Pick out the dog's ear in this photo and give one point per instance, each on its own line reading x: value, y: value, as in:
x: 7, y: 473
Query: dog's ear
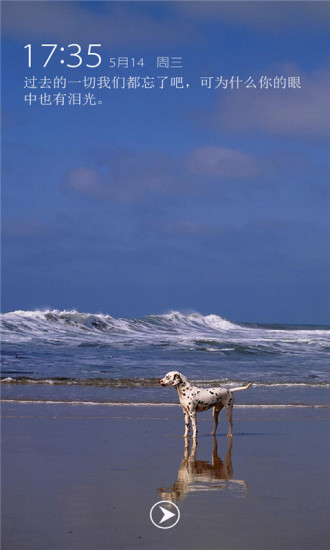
x: 176, y: 379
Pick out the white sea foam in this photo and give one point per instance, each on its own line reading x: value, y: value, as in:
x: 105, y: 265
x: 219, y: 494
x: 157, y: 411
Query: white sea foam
x: 210, y: 332
x: 94, y: 349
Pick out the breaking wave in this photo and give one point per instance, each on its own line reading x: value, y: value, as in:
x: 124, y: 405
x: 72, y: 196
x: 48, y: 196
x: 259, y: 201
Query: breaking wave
x: 197, y: 332
x: 54, y: 351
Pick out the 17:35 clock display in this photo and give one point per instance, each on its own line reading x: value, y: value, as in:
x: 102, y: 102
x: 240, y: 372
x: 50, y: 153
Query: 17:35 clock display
x: 77, y: 56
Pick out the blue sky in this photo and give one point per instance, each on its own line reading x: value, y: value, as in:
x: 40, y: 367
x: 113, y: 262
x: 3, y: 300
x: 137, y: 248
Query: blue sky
x: 194, y: 199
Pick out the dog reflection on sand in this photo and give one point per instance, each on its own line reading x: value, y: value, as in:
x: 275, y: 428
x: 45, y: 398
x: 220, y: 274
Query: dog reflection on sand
x: 201, y: 475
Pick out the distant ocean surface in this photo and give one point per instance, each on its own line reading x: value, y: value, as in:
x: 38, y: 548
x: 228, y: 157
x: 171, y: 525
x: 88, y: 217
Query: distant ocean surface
x: 82, y: 357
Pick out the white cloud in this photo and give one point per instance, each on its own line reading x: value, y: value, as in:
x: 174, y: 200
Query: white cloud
x: 260, y: 15
x: 86, y: 181
x: 22, y: 226
x: 112, y: 23
x: 124, y: 176
x: 223, y: 162
x: 301, y: 112
x: 127, y: 176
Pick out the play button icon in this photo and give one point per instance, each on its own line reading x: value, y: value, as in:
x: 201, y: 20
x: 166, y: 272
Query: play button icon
x: 167, y: 514
x: 164, y: 512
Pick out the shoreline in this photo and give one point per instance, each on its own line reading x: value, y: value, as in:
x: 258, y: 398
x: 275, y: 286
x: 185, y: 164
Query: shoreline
x: 158, y: 404
x: 80, y: 476
x: 156, y: 395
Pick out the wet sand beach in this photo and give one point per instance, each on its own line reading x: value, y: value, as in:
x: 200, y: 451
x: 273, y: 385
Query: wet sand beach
x: 84, y: 477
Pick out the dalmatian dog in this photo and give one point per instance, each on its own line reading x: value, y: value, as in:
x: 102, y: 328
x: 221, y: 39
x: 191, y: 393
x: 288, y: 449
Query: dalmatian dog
x: 194, y: 400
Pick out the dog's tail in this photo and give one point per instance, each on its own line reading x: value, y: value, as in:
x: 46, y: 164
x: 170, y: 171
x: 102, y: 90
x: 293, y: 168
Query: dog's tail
x: 241, y: 387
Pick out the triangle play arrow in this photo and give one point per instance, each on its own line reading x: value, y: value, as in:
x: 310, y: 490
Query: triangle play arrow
x: 167, y: 514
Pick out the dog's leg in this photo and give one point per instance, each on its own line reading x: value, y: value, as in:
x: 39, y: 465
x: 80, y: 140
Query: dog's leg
x: 186, y: 423
x: 194, y: 423
x: 229, y: 409
x: 216, y: 410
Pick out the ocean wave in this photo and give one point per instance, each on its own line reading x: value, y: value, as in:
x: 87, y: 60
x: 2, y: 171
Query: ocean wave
x: 208, y: 333
x: 39, y: 321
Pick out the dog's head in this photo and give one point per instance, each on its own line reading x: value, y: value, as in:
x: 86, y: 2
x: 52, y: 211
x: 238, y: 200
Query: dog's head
x: 172, y: 378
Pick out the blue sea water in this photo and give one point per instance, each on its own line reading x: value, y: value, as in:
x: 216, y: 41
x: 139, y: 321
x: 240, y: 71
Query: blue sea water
x: 70, y: 356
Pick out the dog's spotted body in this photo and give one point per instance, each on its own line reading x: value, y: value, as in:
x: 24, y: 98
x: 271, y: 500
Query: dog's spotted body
x: 194, y: 399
